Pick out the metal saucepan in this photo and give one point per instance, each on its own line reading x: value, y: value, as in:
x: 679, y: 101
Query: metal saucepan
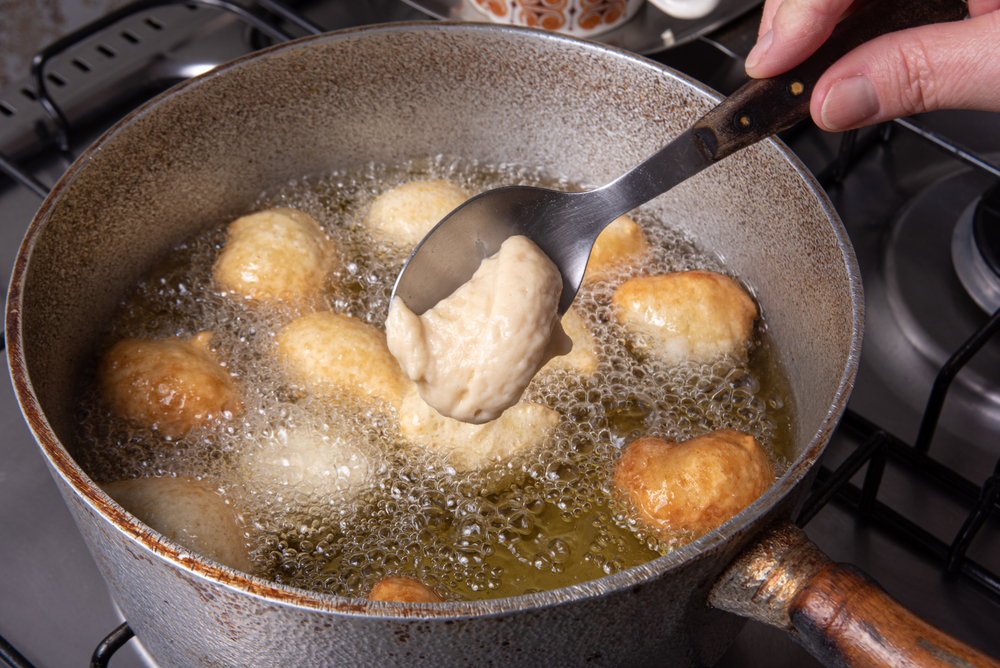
x: 203, y: 151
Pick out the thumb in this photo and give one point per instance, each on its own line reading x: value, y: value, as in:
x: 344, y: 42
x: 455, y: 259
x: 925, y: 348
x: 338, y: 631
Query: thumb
x: 942, y: 66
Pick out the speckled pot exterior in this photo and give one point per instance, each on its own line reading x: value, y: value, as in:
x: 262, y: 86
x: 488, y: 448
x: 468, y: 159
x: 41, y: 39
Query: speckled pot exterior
x: 206, y: 149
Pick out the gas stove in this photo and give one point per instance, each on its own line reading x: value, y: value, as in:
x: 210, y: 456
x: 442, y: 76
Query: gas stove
x: 909, y: 485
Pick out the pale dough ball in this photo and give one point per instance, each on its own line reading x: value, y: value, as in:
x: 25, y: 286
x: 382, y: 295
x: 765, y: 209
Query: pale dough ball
x: 170, y: 385
x: 694, y: 486
x: 332, y: 467
x: 582, y: 359
x: 404, y: 215
x: 189, y: 512
x: 403, y: 590
x: 475, y: 446
x: 475, y: 352
x: 621, y: 243
x: 691, y: 315
x: 275, y: 254
x: 328, y: 350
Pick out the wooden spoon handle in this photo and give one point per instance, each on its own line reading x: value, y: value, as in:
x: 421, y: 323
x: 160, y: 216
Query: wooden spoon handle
x: 764, y: 107
x: 837, y: 613
x: 845, y: 619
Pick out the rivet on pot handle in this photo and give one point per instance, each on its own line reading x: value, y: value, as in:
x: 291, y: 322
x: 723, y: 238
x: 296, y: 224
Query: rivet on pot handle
x: 766, y: 106
x: 833, y: 610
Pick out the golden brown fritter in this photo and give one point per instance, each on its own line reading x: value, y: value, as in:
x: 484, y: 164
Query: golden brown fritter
x: 404, y: 215
x: 276, y: 254
x: 305, y: 462
x: 403, y: 590
x: 170, y: 385
x: 691, y: 315
x: 694, y: 486
x: 189, y: 512
x: 621, y: 243
x: 332, y: 351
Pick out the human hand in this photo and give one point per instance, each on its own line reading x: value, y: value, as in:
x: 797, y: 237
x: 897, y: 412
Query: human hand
x: 941, y: 66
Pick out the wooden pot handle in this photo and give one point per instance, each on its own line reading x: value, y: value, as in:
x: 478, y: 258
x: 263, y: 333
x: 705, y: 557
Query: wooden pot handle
x: 833, y: 610
x: 844, y: 618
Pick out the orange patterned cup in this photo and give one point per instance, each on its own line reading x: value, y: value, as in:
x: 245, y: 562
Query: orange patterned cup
x: 582, y: 18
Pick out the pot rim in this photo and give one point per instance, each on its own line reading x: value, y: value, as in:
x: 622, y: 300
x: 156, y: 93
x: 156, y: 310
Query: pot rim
x: 63, y: 464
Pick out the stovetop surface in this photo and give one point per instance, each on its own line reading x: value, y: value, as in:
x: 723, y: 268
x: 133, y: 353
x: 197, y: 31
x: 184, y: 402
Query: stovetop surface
x: 56, y: 609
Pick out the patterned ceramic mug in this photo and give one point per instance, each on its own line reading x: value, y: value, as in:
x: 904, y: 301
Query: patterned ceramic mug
x: 581, y: 18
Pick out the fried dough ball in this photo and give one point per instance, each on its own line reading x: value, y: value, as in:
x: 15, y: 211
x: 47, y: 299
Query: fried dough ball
x: 694, y: 486
x: 403, y: 590
x: 170, y: 385
x: 189, y: 512
x: 691, y: 315
x: 582, y: 358
x: 475, y: 446
x: 404, y: 215
x: 328, y: 350
x: 276, y: 254
x: 621, y: 243
x: 305, y: 461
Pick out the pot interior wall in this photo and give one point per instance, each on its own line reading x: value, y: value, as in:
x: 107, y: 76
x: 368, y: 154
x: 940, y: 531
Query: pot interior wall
x: 204, y: 153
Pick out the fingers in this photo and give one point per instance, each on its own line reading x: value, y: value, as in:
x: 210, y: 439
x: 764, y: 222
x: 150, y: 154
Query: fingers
x: 770, y: 8
x: 953, y: 65
x: 791, y: 30
x: 942, y: 66
x: 794, y: 30
x: 980, y: 7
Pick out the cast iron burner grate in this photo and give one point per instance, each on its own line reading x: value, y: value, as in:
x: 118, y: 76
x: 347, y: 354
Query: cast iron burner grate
x: 876, y: 447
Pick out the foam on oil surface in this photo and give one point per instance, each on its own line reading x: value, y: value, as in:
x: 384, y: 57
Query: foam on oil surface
x: 545, y: 519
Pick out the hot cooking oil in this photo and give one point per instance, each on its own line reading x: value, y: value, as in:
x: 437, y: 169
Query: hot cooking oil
x: 547, y: 518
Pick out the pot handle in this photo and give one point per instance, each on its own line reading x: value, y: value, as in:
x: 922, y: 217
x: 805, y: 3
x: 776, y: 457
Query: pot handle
x: 835, y: 611
x: 764, y: 107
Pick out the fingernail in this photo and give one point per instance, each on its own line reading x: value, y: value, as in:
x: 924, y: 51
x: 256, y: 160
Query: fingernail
x: 758, y: 52
x: 849, y: 102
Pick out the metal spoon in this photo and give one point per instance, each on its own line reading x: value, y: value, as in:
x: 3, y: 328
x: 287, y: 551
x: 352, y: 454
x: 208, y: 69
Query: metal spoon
x: 566, y: 225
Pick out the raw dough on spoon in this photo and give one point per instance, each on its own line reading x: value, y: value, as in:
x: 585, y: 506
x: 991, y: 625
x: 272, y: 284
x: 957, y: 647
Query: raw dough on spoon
x: 473, y: 354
